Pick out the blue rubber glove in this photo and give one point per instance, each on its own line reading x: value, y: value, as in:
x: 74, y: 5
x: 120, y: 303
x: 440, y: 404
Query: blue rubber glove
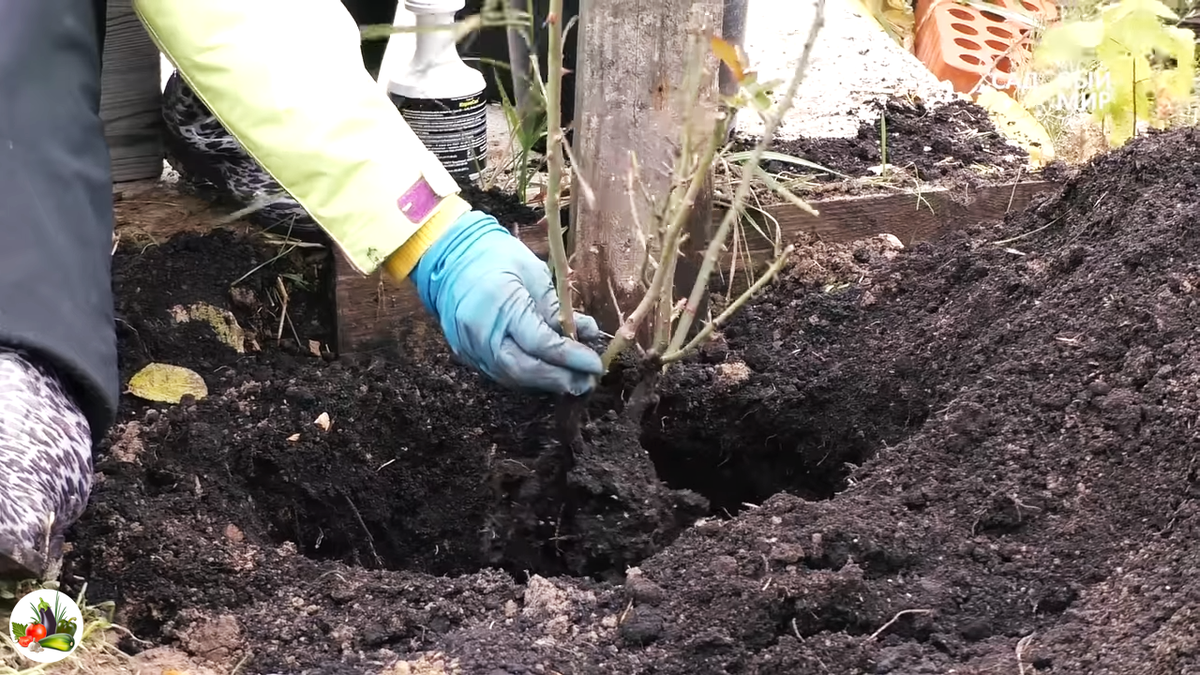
x: 496, y: 303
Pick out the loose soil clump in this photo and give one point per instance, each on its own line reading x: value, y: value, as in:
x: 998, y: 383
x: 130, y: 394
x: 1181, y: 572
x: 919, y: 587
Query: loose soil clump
x: 977, y: 454
x: 940, y: 144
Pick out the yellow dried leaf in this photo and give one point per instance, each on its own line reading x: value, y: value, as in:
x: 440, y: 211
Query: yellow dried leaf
x: 165, y: 383
x: 732, y: 56
x: 294, y: 437
x: 323, y: 421
x: 1016, y: 123
x: 222, y: 321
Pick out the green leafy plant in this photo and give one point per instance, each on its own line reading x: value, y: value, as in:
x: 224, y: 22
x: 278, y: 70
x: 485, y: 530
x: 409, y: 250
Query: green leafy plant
x: 1131, y: 59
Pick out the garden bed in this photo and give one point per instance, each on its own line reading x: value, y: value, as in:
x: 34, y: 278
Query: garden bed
x: 929, y: 145
x: 964, y: 456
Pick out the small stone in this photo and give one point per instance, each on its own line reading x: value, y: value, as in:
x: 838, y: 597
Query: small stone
x: 786, y: 554
x: 641, y: 626
x: 234, y: 533
x: 724, y: 565
x: 1099, y: 388
x: 643, y: 591
x: 976, y: 630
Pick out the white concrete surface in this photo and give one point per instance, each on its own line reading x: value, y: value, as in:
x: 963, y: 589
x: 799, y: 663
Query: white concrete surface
x: 852, y: 62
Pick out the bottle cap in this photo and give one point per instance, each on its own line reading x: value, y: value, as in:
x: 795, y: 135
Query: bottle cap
x: 434, y: 6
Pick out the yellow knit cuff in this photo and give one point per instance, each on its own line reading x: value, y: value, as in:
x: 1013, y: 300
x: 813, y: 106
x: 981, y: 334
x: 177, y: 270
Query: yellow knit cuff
x: 405, y: 259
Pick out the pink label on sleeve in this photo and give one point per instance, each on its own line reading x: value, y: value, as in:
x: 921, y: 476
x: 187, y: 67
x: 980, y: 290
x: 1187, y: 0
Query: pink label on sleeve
x: 418, y: 202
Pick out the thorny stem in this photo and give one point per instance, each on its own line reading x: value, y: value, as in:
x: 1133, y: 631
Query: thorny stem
x: 669, y: 250
x: 554, y: 166
x: 732, y: 309
x: 675, y: 202
x: 713, y: 254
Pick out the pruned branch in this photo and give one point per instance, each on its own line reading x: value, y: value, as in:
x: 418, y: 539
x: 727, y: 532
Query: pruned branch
x: 554, y: 164
x: 743, y: 190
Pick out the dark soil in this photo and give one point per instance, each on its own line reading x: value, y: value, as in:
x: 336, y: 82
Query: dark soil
x: 954, y: 142
x: 962, y: 457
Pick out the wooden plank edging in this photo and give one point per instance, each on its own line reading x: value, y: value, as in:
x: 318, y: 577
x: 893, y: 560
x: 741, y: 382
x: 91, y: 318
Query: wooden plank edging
x: 373, y: 315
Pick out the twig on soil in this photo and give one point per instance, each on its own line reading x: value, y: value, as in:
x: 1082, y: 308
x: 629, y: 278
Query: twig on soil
x: 241, y: 664
x: 362, y: 523
x: 284, y: 317
x: 283, y: 300
x: 896, y: 618
x: 1022, y: 645
x: 1030, y: 233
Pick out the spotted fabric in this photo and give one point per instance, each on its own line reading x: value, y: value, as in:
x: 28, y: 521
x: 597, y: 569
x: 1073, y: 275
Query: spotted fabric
x: 46, y: 460
x: 212, y: 161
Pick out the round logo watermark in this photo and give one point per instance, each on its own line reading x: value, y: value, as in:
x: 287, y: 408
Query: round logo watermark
x: 46, y: 626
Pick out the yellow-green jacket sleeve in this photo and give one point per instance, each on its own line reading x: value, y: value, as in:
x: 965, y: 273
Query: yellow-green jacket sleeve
x: 286, y: 78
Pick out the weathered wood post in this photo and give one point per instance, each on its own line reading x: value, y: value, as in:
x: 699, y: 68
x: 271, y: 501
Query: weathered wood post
x: 131, y: 96
x: 631, y: 58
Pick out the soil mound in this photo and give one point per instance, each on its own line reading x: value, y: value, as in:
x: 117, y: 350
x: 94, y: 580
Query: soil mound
x: 977, y: 455
x: 939, y: 143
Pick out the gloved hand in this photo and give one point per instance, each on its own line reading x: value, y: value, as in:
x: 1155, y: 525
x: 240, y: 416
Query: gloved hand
x: 498, y: 309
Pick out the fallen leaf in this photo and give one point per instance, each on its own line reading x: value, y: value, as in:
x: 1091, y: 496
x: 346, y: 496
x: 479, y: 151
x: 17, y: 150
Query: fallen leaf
x: 314, y: 347
x: 222, y: 321
x: 323, y: 421
x: 165, y: 383
x: 733, y: 56
x: 294, y: 437
x: 1016, y: 123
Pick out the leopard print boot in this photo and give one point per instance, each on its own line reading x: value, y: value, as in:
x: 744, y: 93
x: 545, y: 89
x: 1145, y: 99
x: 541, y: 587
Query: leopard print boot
x: 211, y: 160
x: 46, y: 462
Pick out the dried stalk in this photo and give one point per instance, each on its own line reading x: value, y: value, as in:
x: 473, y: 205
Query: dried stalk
x: 732, y: 309
x: 554, y: 165
x: 670, y: 250
x: 713, y: 254
x: 689, y: 102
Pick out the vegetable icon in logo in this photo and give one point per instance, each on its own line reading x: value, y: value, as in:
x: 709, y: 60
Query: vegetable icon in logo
x: 45, y: 626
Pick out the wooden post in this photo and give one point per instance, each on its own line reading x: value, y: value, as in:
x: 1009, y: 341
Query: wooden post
x: 131, y: 96
x: 632, y: 56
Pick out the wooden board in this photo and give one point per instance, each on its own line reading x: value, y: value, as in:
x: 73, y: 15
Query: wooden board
x: 376, y: 316
x: 910, y: 216
x: 131, y: 96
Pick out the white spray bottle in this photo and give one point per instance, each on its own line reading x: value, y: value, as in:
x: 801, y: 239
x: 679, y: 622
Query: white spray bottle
x: 440, y: 96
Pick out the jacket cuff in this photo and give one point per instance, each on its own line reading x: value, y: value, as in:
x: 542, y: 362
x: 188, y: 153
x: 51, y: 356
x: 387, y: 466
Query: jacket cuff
x: 404, y: 260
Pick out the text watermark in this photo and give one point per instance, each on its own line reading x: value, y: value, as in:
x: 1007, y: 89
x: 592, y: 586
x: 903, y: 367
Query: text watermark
x: 1078, y: 91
